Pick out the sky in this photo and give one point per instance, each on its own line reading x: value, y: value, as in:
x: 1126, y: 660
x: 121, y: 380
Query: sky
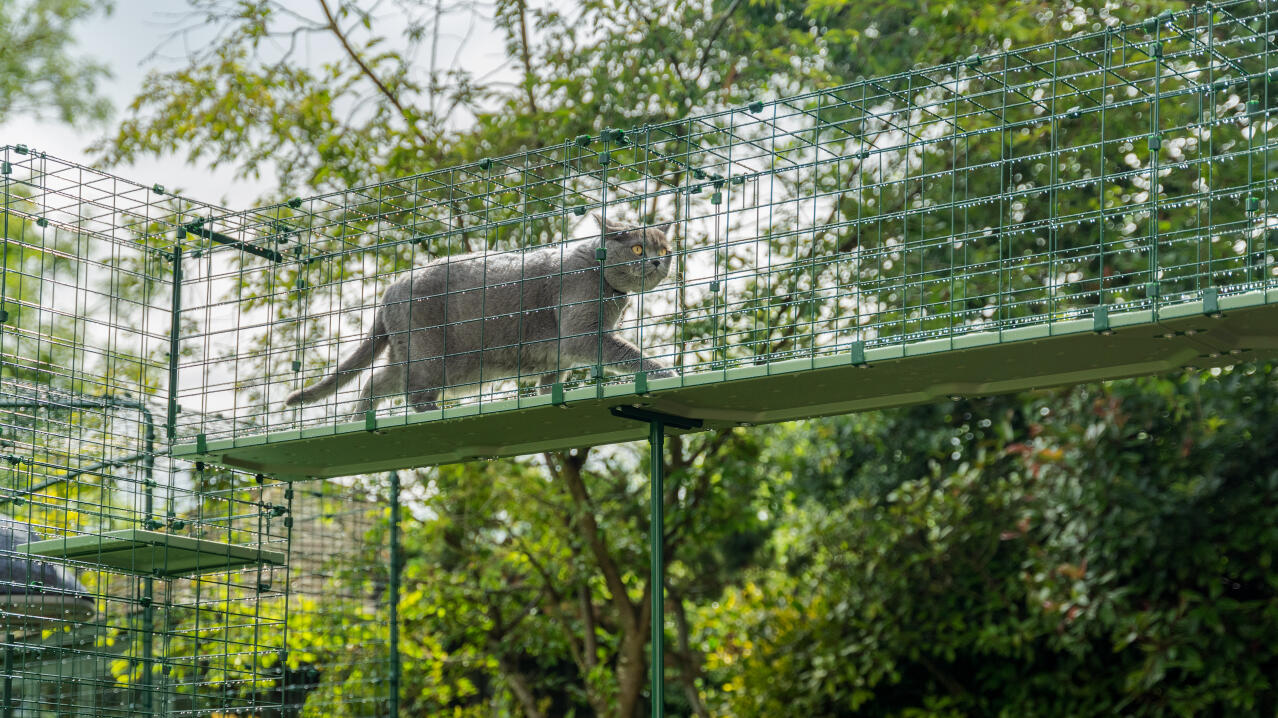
x: 127, y: 41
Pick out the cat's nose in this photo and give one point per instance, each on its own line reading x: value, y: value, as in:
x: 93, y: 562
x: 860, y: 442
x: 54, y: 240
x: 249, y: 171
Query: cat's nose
x: 656, y: 262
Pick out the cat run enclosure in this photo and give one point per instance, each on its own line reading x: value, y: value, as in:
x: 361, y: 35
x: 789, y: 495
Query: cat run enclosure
x: 1093, y: 208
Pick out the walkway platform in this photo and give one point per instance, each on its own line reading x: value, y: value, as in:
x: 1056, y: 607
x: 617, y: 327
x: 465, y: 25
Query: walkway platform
x: 1208, y: 331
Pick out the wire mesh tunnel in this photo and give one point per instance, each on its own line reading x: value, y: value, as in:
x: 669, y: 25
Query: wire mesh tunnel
x: 1092, y: 208
x: 1119, y: 178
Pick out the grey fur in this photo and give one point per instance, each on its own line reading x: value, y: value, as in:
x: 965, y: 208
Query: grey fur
x: 543, y: 314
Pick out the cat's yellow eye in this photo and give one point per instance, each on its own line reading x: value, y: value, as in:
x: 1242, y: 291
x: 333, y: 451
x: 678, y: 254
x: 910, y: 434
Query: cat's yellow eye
x: 665, y: 251
x: 637, y: 250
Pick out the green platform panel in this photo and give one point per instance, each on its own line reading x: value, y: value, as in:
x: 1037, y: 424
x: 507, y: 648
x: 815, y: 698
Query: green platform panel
x: 151, y: 553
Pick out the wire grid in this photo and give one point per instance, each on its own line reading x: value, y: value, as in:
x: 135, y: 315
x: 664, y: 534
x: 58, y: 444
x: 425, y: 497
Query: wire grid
x: 339, y: 638
x: 114, y: 636
x: 85, y: 423
x: 1128, y: 168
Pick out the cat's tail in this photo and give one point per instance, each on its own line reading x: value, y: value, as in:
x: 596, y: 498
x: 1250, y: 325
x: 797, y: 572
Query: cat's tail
x: 346, y: 369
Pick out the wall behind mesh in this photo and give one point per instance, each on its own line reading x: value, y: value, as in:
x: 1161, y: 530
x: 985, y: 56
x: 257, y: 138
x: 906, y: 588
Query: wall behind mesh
x: 340, y: 661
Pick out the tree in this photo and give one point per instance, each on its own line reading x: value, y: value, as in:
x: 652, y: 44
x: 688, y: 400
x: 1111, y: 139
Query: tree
x: 1089, y: 551
x: 38, y: 73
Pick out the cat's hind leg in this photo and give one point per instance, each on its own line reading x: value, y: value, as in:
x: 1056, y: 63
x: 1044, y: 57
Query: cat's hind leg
x: 425, y: 381
x: 548, y: 381
x: 385, y: 383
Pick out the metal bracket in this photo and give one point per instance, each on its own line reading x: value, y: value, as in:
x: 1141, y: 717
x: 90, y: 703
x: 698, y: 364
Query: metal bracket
x: 625, y: 411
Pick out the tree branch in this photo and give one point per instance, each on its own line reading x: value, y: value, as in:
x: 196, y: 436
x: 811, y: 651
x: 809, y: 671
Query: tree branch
x: 368, y: 72
x: 714, y: 35
x: 526, y: 53
x: 689, y: 671
x: 570, y: 474
x: 519, y: 686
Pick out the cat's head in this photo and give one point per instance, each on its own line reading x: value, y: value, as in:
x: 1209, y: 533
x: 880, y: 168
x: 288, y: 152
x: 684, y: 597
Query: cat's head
x: 638, y: 259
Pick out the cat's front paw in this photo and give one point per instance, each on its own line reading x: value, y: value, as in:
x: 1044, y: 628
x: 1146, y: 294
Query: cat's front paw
x: 662, y: 374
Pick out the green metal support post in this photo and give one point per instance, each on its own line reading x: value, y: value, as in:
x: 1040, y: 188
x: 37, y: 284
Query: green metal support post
x: 395, y: 561
x: 657, y: 423
x: 8, y: 675
x: 656, y: 535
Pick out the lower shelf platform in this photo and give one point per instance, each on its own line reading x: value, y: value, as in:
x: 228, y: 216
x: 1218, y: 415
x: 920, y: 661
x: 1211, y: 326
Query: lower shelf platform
x: 1208, y: 331
x: 151, y: 553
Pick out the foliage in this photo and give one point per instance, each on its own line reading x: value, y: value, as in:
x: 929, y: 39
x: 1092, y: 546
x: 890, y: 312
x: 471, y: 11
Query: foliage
x: 38, y: 74
x: 1095, y: 551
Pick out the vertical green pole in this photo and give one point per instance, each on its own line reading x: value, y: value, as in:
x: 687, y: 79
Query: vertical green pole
x: 174, y: 329
x: 8, y: 675
x: 148, y: 648
x: 395, y: 561
x: 656, y: 531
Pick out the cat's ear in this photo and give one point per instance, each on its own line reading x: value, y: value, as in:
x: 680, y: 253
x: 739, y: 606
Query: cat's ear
x: 664, y: 229
x: 608, y: 226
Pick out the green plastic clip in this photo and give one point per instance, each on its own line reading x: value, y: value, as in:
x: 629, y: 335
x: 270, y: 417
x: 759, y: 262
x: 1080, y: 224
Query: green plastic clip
x: 716, y: 198
x: 857, y: 350
x: 1254, y: 108
x: 21, y: 149
x: 714, y: 285
x: 557, y: 394
x: 601, y: 253
x: 973, y: 61
x: 201, y: 444
x: 297, y: 365
x: 756, y: 107
x: 370, y: 420
x: 579, y: 210
x: 5, y: 168
x: 42, y: 222
x: 641, y: 383
x: 583, y: 140
x: 295, y: 202
x: 157, y: 188
x: 1100, y: 320
x: 1155, y: 143
x: 4, y: 316
x: 605, y: 159
x: 1211, y: 303
x: 485, y: 164
x: 1253, y: 204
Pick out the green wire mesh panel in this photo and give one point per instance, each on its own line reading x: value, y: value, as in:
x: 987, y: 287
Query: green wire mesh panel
x: 130, y: 584
x: 1126, y: 171
x: 1114, y: 181
x: 339, y: 633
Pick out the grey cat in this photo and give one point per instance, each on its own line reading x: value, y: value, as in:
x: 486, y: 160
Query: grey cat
x: 464, y: 321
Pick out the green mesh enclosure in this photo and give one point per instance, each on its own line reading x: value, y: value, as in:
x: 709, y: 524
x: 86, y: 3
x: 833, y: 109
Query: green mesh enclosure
x: 1127, y: 170
x: 1093, y: 208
